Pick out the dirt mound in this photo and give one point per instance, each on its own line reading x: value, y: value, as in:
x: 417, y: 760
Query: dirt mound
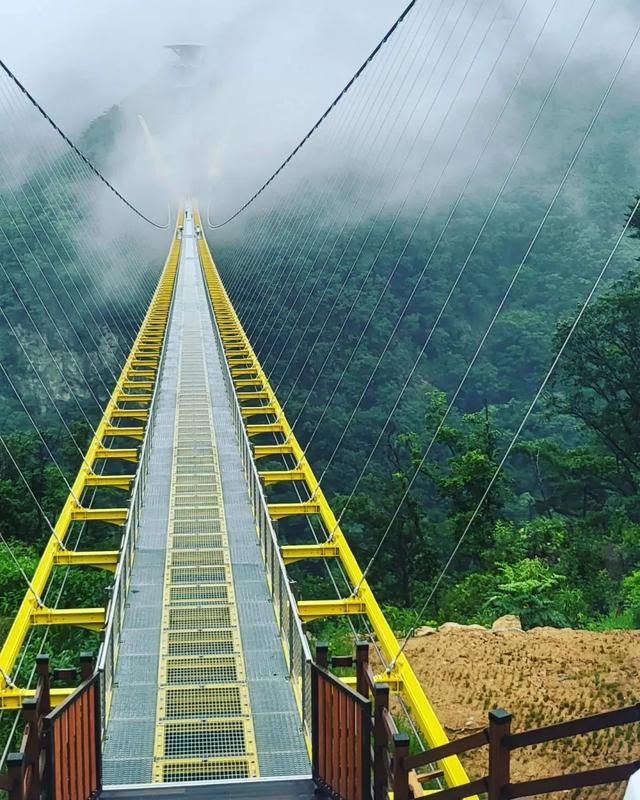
x: 542, y: 676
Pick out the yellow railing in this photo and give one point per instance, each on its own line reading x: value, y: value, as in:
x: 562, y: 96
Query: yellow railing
x: 129, y: 401
x: 251, y: 385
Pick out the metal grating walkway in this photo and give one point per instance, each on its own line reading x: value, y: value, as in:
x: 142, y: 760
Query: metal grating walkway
x: 202, y: 691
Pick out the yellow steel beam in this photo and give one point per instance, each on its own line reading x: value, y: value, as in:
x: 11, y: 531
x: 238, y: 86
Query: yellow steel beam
x: 382, y: 677
x: 142, y: 373
x: 261, y: 394
x: 317, y: 609
x: 298, y: 552
x: 255, y: 411
x: 102, y: 559
x: 31, y: 611
x: 130, y: 397
x: 130, y: 413
x: 248, y: 382
x: 268, y: 427
x: 91, y: 618
x: 124, y: 453
x: 399, y: 669
x: 12, y: 697
x: 117, y: 430
x: 265, y: 450
x: 116, y: 516
x: 144, y: 384
x: 114, y: 481
x: 281, y: 510
x: 269, y: 477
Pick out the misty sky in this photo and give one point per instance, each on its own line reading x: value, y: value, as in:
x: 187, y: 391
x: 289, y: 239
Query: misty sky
x: 272, y: 67
x: 81, y: 57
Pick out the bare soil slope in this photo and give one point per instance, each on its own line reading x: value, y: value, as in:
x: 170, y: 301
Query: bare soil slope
x: 542, y: 676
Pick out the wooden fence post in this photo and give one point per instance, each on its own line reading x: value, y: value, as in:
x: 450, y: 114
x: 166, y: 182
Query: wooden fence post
x: 362, y: 662
x: 322, y: 654
x: 31, y: 753
x: 86, y: 666
x: 499, y: 752
x: 15, y: 775
x: 315, y: 724
x: 400, y: 773
x: 44, y: 683
x: 380, y: 742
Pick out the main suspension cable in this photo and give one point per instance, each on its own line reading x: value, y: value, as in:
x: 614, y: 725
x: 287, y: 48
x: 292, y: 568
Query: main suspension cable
x: 319, y: 122
x: 77, y: 151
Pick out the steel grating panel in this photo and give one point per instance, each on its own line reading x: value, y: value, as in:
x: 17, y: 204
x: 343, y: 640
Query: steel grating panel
x: 202, y: 690
x: 207, y: 738
x: 212, y: 769
x: 202, y: 680
x: 202, y: 702
x: 206, y: 574
x: 203, y: 643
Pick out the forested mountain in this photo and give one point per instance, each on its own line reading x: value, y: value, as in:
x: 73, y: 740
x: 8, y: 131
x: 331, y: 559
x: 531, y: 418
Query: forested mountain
x: 558, y: 540
x: 66, y: 323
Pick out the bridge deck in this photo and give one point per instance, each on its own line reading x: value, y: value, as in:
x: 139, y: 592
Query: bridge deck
x: 201, y: 687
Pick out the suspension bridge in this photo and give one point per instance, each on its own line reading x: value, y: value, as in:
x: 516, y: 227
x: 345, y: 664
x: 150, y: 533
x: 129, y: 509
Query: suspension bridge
x: 205, y: 669
x: 205, y: 680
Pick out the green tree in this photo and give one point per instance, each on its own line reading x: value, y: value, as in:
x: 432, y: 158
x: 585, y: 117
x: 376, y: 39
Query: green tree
x: 535, y: 593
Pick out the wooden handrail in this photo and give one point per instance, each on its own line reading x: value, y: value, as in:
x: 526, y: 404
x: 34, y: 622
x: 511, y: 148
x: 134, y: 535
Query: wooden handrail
x: 68, y: 701
x: 577, y: 780
x: 471, y: 742
x: 32, y: 771
x: 478, y: 786
x: 574, y: 727
x: 394, y: 769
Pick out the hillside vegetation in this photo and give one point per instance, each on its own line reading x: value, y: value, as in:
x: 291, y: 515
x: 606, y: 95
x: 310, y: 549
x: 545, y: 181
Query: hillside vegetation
x: 543, y: 676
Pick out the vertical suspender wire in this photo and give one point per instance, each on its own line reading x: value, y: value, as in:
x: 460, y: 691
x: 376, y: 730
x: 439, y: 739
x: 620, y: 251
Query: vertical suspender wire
x: 506, y: 294
x: 39, y: 333
x: 39, y: 433
x: 29, y: 489
x: 78, y: 182
x: 380, y: 101
x: 48, y: 349
x: 49, y: 164
x: 535, y: 400
x: 376, y: 107
x: 397, y: 214
x: 405, y: 12
x: 72, y: 146
x: 369, y: 272
x: 46, y: 163
x: 478, y: 237
x: 422, y: 273
x: 44, y: 385
x: 61, y: 307
x: 57, y: 166
x: 364, y: 103
x: 377, y: 66
x: 385, y: 173
x: 141, y: 294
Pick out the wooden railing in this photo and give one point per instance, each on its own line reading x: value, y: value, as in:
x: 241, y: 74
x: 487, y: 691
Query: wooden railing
x: 74, y: 743
x: 341, y: 737
x: 502, y: 743
x: 395, y: 771
x: 60, y: 750
x: 384, y: 743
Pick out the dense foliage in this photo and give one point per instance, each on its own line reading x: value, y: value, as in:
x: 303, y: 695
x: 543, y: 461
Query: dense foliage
x: 556, y: 540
